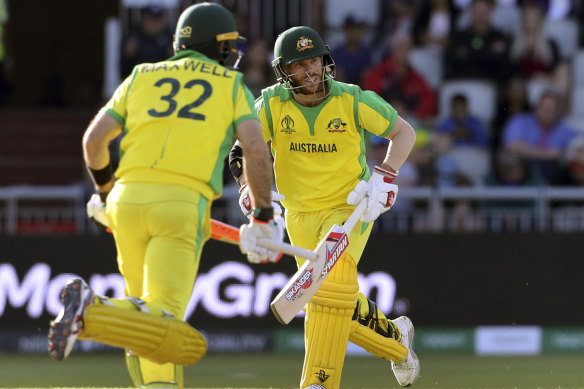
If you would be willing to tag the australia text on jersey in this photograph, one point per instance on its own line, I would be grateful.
(203, 67)
(313, 147)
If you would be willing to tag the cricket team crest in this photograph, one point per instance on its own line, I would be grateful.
(186, 32)
(304, 43)
(337, 125)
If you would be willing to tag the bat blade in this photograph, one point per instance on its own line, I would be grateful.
(310, 276)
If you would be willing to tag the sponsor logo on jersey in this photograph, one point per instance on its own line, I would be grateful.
(287, 125)
(313, 147)
(303, 282)
(337, 125)
(304, 43)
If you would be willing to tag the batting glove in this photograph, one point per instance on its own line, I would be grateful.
(257, 229)
(245, 201)
(380, 193)
(96, 211)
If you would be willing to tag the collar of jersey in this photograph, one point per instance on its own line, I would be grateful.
(191, 54)
(333, 85)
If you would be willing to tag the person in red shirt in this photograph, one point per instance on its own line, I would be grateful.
(395, 78)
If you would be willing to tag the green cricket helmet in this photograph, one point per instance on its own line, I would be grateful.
(298, 44)
(204, 27)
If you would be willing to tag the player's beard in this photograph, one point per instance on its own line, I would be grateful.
(311, 85)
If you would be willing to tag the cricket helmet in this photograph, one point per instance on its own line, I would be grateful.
(203, 27)
(298, 44)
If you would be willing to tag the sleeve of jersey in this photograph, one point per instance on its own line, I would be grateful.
(375, 114)
(243, 102)
(116, 106)
(264, 122)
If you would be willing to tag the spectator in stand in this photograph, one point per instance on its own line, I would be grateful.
(480, 51)
(152, 42)
(513, 101)
(461, 128)
(257, 68)
(540, 137)
(571, 172)
(353, 58)
(536, 56)
(434, 24)
(461, 142)
(511, 171)
(394, 78)
(557, 9)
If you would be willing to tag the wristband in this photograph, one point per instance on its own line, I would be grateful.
(387, 175)
(102, 176)
(102, 195)
(263, 214)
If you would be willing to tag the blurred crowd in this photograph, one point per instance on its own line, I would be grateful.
(493, 88)
(488, 85)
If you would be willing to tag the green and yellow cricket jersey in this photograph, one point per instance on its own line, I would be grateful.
(179, 119)
(319, 152)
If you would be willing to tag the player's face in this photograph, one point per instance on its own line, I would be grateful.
(307, 74)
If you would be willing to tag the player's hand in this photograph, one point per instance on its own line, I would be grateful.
(96, 212)
(380, 193)
(257, 229)
(245, 201)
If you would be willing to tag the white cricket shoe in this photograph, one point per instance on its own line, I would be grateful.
(408, 371)
(75, 296)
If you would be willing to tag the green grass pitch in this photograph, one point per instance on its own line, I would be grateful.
(107, 370)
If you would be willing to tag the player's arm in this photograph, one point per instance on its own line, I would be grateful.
(257, 169)
(102, 130)
(258, 172)
(402, 137)
(382, 119)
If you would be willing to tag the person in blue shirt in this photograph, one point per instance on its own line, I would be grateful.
(353, 58)
(463, 128)
(540, 137)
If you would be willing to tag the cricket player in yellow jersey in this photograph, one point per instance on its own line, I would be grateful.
(180, 118)
(317, 126)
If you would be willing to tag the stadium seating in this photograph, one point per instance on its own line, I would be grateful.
(428, 64)
(565, 33)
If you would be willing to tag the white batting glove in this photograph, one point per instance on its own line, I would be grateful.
(96, 212)
(380, 193)
(256, 229)
(245, 201)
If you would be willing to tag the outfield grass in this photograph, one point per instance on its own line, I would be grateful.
(282, 371)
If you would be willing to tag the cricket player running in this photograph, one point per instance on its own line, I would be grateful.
(316, 127)
(180, 118)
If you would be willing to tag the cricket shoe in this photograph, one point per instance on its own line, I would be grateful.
(75, 296)
(407, 371)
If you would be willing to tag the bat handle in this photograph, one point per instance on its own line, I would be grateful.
(287, 249)
(354, 218)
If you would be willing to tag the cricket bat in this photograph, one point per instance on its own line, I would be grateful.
(310, 276)
(230, 234)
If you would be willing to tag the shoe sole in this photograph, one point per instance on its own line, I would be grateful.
(65, 328)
